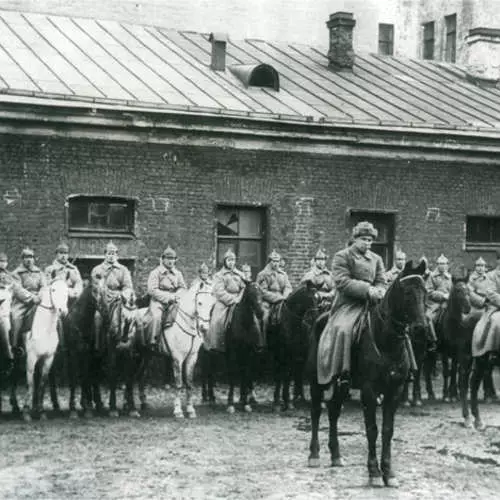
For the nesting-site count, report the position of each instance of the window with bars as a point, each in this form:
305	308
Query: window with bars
386	39
483	231
243	230
385	225
451	38
428	42
101	215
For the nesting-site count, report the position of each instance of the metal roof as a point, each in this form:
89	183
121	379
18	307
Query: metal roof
68	58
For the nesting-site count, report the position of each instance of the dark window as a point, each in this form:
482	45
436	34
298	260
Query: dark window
106	215
385	225
451	38
483	231
386	39
243	230
428	52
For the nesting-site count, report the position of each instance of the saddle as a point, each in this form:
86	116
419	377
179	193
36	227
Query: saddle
275	313
169	315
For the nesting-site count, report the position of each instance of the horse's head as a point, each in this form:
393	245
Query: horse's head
204	303
253	296
128	298
55	296
97	286
459	299
406	295
304	298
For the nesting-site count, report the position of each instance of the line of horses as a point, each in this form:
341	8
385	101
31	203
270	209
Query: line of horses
380	366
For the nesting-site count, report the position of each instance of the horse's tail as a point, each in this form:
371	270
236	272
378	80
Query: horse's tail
312	357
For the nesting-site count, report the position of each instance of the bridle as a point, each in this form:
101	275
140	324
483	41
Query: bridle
51	306
195	317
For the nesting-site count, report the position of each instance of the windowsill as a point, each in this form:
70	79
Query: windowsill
485	247
91	234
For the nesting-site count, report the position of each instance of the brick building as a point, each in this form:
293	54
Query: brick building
150	136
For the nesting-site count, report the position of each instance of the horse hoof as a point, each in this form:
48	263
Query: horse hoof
88	414
26	416
192	413
337	462
406	404
479	425
276	408
446	399
178	414
391	482
113	414
291	406
313	462
431	397
134	414
418	403
43	417
73	415
230	409
247	408
468	423
323	405
376	482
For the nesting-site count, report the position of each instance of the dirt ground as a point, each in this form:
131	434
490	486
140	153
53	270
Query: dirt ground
242	456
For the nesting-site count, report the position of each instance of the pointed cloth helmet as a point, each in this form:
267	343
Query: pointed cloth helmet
442	260
480	262
111	247
169	252
320	254
229	254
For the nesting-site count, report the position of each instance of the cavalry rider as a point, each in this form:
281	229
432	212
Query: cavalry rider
275	287
6	287
399	265
228	286
486	336
321	278
164	283
29	281
478	284
113	278
438	287
203	278
359	278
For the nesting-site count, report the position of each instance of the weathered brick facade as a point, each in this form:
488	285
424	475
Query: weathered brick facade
178	186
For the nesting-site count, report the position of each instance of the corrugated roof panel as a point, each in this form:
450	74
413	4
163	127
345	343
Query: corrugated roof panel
13	75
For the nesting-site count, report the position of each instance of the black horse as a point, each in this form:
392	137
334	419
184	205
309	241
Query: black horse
244	339
382	367
288	341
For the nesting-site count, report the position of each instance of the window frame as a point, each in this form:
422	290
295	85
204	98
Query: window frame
450	47
478	244
131	210
389	42
428	42
262	238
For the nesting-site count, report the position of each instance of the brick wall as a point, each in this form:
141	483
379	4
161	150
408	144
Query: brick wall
178	187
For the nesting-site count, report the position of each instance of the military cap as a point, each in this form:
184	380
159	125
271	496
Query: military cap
169	252
320	254
274	255
27	252
111	247
400	254
62	248
229	254
364	228
480	262
442	259
3	256
203	268
246	268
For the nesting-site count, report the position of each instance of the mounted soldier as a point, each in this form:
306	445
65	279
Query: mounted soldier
399	265
228	286
203	278
29	281
6	291
322	279
112	279
275	286
359	278
478	286
438	287
164	283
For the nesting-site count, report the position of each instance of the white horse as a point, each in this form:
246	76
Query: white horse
42	342
181	342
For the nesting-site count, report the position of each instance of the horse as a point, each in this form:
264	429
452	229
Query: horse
180	341
243	340
382	367
41	344
6	359
288	341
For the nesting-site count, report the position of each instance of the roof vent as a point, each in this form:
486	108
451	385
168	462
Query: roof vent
257	75
219	41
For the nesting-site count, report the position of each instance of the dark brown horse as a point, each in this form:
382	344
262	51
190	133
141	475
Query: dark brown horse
288	341
381	368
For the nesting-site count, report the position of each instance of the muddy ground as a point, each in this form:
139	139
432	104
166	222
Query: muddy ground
242	456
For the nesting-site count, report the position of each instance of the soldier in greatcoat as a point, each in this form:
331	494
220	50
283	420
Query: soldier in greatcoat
164	284
275	287
203	279
399	265
478	286
6	291
112	278
228	286
359	278
321	278
29	281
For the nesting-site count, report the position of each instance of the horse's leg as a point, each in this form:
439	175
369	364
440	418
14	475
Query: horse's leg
141	379
369	402
131	373
30	381
478	369
177	367
464	374
232	367
334	408
113	382
87	381
417	390
286	378
189	365
95	377
15	375
246	379
72	369
45	369
490	394
405	397
429	362
389	407
277	372
453	378
446	377
316	397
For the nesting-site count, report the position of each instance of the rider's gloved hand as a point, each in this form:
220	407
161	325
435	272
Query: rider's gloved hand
36	299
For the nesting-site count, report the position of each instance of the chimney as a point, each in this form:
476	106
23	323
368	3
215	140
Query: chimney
218	61
341	53
483	56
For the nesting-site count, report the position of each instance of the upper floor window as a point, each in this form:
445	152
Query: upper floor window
385	225
243	230
451	38
107	215
386	39
483	231
428	47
